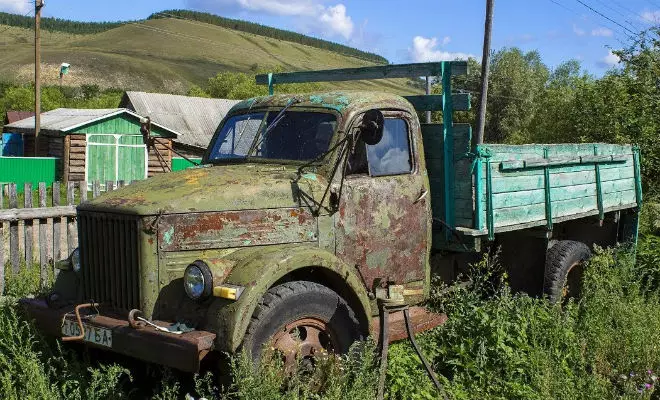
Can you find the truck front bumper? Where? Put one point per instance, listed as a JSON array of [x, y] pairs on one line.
[[181, 351]]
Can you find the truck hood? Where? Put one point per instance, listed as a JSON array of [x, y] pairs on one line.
[[210, 188]]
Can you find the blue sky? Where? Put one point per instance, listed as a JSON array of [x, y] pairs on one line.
[[414, 30]]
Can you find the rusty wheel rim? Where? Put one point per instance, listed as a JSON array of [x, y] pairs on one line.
[[305, 339], [573, 282]]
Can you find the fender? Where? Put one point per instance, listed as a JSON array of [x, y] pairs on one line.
[[257, 269]]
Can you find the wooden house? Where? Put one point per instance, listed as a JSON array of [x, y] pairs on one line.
[[195, 118], [98, 144]]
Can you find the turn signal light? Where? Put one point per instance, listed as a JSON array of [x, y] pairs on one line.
[[230, 292]]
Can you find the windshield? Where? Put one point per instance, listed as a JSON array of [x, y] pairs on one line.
[[298, 136]]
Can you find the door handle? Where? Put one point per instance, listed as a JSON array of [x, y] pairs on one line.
[[421, 196]]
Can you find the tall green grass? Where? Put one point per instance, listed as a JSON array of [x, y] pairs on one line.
[[495, 345]]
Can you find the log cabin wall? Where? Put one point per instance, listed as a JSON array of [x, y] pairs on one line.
[[160, 161], [75, 148]]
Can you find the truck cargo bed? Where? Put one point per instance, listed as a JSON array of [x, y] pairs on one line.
[[501, 188]]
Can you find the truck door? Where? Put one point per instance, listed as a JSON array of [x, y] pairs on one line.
[[382, 226]]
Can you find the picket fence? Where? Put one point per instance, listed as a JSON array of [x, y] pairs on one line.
[[41, 231]]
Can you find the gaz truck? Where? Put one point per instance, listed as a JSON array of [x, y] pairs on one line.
[[308, 209]]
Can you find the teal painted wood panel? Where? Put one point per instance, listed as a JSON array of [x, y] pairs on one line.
[[376, 72], [433, 102], [131, 160], [519, 195], [516, 199], [536, 212], [504, 184], [101, 158]]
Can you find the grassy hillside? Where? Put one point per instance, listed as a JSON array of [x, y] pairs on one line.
[[166, 55]]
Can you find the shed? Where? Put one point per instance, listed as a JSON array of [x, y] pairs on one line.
[[98, 144], [195, 118]]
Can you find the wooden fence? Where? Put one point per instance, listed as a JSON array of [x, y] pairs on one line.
[[41, 230]]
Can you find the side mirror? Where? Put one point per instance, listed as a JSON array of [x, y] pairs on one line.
[[371, 128]]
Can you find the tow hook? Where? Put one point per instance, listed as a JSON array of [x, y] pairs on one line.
[[79, 321], [133, 319]]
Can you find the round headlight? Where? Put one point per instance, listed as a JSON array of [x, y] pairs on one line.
[[75, 260], [198, 281]]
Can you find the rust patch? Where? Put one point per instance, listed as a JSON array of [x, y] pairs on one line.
[[216, 230]]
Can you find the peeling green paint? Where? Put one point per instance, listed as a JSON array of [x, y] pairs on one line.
[[167, 236]]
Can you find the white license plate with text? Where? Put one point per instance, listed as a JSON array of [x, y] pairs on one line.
[[93, 334]]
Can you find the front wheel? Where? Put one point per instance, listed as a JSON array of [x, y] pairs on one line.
[[300, 320]]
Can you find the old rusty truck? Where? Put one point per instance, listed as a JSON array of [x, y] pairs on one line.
[[308, 209]]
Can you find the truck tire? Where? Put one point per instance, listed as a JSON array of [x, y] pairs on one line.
[[564, 264], [299, 320]]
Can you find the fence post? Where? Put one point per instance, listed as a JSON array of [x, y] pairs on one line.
[[13, 231], [71, 233], [83, 191], [57, 227], [27, 226], [43, 239], [96, 189]]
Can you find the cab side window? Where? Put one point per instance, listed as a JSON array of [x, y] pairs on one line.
[[391, 156]]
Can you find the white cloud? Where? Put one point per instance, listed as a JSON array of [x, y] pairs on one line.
[[602, 32], [578, 31], [611, 59], [424, 50], [15, 6], [314, 15], [651, 17], [337, 21]]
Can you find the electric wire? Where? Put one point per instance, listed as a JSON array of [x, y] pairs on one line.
[[608, 18]]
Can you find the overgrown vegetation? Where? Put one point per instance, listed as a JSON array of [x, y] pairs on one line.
[[495, 345]]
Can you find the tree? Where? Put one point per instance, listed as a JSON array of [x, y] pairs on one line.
[[517, 81]]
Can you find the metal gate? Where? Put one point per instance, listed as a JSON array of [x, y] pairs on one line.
[[115, 158]]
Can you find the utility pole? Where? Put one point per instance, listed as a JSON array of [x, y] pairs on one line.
[[485, 70], [38, 4]]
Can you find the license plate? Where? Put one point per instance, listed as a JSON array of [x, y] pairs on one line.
[[93, 334]]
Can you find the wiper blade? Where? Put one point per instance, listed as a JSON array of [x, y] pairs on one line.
[[276, 120]]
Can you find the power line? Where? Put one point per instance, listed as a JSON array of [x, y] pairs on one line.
[[575, 12], [617, 12], [606, 17]]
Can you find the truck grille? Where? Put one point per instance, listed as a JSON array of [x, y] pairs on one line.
[[109, 257]]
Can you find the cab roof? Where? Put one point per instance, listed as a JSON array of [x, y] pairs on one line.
[[340, 101]]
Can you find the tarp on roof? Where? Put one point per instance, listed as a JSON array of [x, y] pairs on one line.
[[196, 118]]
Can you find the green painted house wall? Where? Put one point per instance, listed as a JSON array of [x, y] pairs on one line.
[[122, 123]]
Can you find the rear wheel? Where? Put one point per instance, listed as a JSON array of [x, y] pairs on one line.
[[301, 320], [564, 270]]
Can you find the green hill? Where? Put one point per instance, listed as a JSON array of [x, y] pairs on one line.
[[170, 52]]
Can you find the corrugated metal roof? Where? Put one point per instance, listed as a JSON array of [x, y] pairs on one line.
[[67, 119], [196, 118], [13, 116]]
